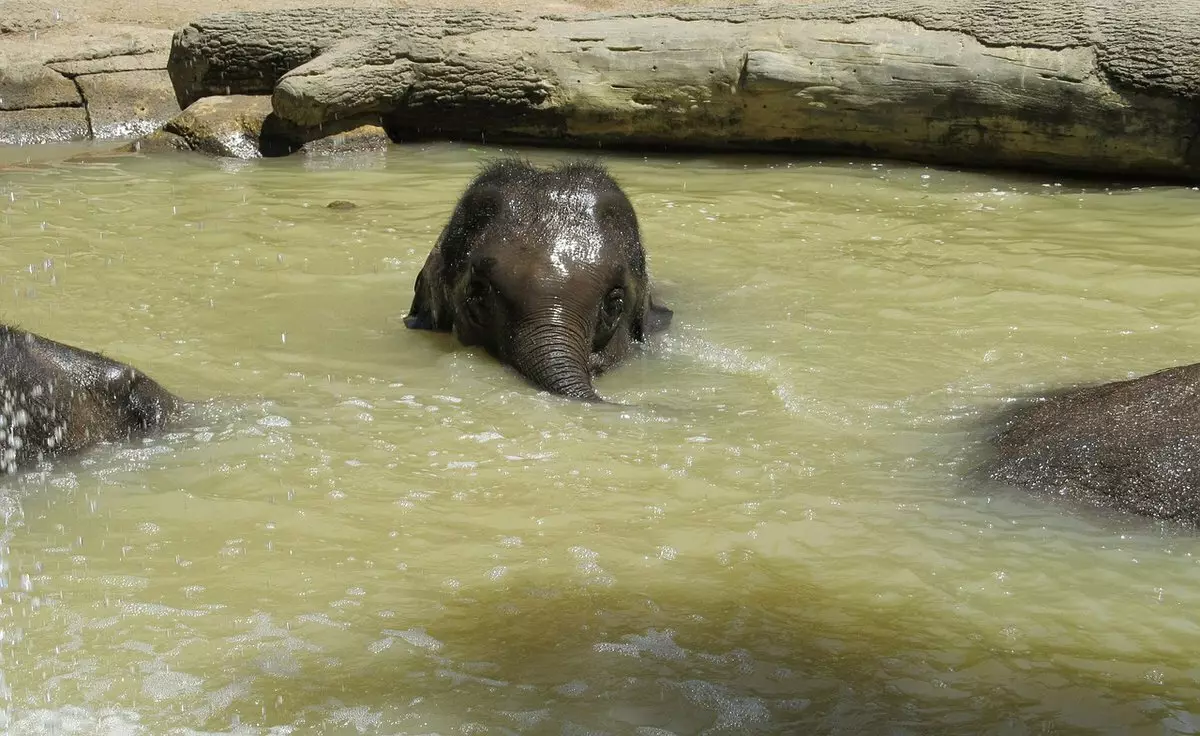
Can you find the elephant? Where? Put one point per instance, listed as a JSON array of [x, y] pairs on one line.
[[544, 268], [1131, 445], [57, 400]]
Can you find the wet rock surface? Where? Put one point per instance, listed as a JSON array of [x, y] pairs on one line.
[[127, 103], [43, 125], [52, 56], [59, 84], [1086, 87], [95, 70], [1105, 87], [221, 126], [245, 126]]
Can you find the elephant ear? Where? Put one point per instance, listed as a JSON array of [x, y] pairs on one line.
[[656, 318], [423, 314], [420, 314]]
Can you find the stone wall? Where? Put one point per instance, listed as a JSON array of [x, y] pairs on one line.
[[108, 84]]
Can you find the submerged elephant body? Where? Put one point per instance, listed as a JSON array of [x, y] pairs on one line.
[[56, 399], [545, 269], [1129, 445]]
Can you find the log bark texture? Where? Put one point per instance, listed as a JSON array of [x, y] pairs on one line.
[[1101, 86]]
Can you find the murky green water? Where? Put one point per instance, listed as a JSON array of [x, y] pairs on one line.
[[362, 529]]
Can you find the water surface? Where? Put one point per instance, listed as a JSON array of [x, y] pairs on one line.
[[365, 530]]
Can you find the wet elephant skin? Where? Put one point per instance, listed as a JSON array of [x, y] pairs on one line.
[[57, 400], [1129, 445], [545, 269]]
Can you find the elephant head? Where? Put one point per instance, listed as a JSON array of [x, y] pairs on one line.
[[56, 399], [545, 269]]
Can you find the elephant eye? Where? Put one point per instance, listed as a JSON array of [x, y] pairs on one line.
[[611, 310], [614, 302], [478, 298]]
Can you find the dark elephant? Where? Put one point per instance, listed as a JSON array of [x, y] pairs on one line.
[[545, 269], [1129, 445], [58, 399]]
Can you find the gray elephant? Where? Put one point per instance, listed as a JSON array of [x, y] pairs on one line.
[[1129, 445], [56, 399], [545, 269]]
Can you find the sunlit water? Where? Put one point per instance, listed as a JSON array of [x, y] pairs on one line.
[[365, 530]]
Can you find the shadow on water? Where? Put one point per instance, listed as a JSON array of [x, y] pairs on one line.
[[812, 153], [748, 651]]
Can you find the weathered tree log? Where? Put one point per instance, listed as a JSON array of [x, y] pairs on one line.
[[1105, 86]]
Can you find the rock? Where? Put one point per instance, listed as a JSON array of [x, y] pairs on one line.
[[92, 42], [122, 63], [29, 16], [119, 103], [359, 135], [222, 126], [45, 70], [223, 53], [341, 204], [157, 142], [128, 104], [98, 156], [1101, 86], [23, 86], [43, 125], [244, 126]]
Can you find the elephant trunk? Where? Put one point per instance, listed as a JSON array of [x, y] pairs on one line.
[[555, 357]]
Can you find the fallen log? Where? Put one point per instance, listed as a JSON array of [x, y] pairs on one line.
[[1100, 86]]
